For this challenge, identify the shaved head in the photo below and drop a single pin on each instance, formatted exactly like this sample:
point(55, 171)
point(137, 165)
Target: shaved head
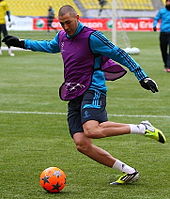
point(68, 19)
point(67, 9)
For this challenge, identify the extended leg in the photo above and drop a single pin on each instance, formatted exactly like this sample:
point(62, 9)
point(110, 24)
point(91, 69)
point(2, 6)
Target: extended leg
point(94, 129)
point(85, 146)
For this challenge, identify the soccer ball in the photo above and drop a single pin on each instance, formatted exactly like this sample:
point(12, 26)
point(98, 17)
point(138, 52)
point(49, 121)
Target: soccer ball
point(53, 179)
point(132, 51)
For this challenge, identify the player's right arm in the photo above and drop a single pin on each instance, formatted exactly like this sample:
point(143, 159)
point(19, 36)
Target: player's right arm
point(156, 20)
point(34, 45)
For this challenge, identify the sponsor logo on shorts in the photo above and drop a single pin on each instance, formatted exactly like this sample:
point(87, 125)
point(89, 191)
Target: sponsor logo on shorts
point(86, 114)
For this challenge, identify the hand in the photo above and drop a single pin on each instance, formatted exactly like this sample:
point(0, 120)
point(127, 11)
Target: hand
point(154, 29)
point(149, 84)
point(10, 24)
point(13, 41)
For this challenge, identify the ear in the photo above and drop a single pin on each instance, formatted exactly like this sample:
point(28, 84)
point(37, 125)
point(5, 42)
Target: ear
point(77, 17)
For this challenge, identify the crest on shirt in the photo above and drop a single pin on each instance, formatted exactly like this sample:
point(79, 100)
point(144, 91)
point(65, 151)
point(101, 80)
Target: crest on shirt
point(62, 47)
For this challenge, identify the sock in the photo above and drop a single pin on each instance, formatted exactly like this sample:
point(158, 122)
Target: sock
point(9, 50)
point(137, 129)
point(121, 166)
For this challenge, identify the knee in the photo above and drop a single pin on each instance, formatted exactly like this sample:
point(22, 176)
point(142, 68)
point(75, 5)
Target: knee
point(83, 146)
point(93, 132)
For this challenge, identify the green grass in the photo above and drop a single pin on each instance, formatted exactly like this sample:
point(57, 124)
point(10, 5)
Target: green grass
point(30, 142)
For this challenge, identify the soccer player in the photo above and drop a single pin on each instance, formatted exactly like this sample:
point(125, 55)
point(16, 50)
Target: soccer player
point(102, 3)
point(164, 16)
point(4, 10)
point(50, 18)
point(87, 61)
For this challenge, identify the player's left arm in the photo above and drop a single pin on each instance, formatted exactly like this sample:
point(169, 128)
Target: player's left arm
point(6, 9)
point(9, 15)
point(101, 45)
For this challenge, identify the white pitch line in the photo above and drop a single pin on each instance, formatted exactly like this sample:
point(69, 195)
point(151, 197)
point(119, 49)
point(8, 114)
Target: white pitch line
point(59, 113)
point(145, 116)
point(30, 112)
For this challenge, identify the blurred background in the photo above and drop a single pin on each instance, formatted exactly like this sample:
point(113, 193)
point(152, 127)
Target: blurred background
point(86, 8)
point(32, 14)
point(104, 15)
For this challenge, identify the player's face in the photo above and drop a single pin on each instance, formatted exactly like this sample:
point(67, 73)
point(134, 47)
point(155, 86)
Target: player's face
point(69, 23)
point(168, 2)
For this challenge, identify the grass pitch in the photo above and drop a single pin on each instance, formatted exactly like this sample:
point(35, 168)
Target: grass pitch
point(32, 139)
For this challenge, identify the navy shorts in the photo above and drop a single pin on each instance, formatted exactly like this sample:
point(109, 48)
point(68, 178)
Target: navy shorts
point(90, 106)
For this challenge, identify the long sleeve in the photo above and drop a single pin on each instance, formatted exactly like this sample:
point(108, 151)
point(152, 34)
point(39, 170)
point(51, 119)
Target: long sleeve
point(101, 45)
point(156, 19)
point(43, 46)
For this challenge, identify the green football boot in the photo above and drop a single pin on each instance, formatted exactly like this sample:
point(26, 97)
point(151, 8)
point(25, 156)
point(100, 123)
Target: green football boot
point(154, 133)
point(126, 178)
